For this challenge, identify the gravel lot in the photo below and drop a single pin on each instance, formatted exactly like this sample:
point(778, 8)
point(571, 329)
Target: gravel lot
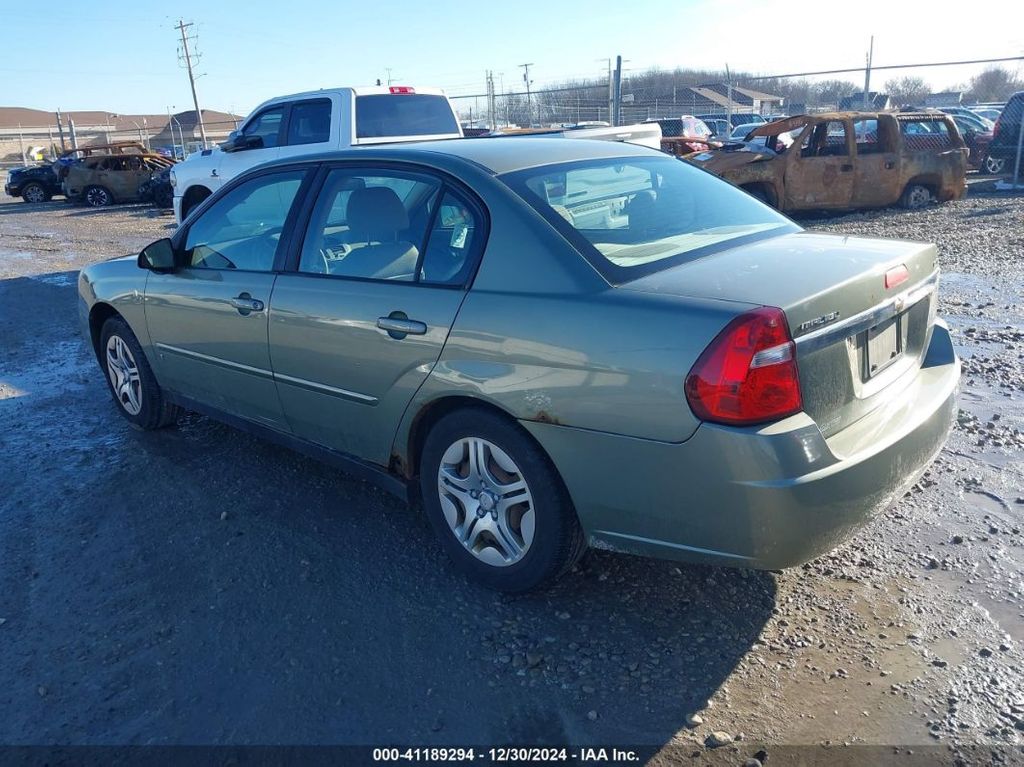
point(199, 586)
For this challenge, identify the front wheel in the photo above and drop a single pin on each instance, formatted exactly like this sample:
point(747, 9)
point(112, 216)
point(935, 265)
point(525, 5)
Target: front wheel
point(35, 192)
point(97, 197)
point(131, 380)
point(498, 506)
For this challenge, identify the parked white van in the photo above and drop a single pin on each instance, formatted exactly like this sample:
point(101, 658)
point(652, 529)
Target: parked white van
point(317, 121)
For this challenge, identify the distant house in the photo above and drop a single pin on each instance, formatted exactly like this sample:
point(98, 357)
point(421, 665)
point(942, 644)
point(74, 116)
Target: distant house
point(751, 100)
point(855, 102)
point(946, 99)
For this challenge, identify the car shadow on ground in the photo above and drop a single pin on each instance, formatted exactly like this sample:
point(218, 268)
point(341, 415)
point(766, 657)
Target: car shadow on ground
point(199, 585)
point(63, 207)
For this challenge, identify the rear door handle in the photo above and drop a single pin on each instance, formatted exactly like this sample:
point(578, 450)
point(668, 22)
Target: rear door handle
point(846, 168)
point(400, 327)
point(246, 304)
point(890, 165)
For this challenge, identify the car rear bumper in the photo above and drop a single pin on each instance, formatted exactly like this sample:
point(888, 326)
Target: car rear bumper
point(763, 497)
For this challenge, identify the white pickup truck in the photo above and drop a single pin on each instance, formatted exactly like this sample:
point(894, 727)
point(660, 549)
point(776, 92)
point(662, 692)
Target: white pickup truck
point(308, 123)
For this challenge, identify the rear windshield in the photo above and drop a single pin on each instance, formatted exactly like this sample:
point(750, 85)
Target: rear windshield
point(637, 215)
point(385, 114)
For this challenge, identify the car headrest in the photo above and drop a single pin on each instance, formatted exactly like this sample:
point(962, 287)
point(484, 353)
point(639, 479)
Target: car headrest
point(376, 213)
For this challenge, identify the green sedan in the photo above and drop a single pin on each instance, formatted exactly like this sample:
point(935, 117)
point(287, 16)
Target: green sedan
point(546, 344)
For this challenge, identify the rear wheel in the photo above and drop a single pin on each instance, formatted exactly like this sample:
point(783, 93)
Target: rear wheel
point(497, 504)
point(33, 191)
point(131, 380)
point(97, 197)
point(993, 165)
point(915, 196)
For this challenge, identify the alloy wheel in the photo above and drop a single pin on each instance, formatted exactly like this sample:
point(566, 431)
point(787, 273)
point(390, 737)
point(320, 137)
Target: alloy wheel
point(124, 375)
point(486, 501)
point(97, 197)
point(34, 193)
point(994, 166)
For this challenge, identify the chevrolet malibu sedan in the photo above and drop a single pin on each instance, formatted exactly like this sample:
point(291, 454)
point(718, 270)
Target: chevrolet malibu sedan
point(545, 345)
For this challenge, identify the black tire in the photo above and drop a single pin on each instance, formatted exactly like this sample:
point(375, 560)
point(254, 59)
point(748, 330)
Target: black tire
point(97, 197)
point(993, 166)
point(163, 197)
point(558, 540)
point(34, 192)
point(192, 200)
point(916, 196)
point(155, 411)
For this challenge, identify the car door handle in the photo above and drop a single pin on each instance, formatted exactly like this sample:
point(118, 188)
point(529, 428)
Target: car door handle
point(246, 304)
point(400, 327)
point(845, 168)
point(890, 165)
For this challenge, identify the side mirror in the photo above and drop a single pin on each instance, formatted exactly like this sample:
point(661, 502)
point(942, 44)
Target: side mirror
point(238, 141)
point(157, 256)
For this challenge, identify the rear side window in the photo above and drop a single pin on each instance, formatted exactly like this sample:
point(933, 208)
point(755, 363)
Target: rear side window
point(310, 122)
point(386, 114)
point(925, 134)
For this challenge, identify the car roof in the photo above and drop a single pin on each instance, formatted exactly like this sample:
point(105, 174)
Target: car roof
point(498, 155)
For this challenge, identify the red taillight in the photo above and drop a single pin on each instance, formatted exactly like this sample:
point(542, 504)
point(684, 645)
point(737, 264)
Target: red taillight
point(896, 276)
point(400, 89)
point(748, 374)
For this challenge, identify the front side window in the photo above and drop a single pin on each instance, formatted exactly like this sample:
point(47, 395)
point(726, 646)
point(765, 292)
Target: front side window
point(266, 125)
point(827, 139)
point(242, 229)
point(637, 215)
point(310, 122)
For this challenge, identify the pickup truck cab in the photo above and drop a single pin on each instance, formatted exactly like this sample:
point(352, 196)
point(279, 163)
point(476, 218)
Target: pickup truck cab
point(313, 122)
point(847, 160)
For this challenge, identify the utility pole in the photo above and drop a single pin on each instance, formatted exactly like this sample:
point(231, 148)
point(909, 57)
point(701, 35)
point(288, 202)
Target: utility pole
point(529, 103)
point(60, 131)
point(388, 70)
point(182, 26)
point(867, 74)
point(492, 117)
point(611, 97)
point(617, 93)
point(728, 96)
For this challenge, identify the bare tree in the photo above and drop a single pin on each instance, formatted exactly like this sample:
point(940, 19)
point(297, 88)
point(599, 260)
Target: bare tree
point(906, 91)
point(994, 84)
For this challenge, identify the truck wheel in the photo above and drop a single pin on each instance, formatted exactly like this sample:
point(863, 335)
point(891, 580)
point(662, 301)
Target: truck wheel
point(993, 165)
point(97, 197)
point(163, 197)
point(33, 191)
point(915, 196)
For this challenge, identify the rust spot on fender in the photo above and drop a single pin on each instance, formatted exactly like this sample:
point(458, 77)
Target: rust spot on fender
point(543, 416)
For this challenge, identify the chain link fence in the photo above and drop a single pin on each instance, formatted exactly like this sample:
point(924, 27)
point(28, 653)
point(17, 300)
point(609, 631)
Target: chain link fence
point(976, 95)
point(175, 138)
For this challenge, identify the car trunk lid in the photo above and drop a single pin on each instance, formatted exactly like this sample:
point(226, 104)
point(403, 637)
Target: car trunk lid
point(858, 341)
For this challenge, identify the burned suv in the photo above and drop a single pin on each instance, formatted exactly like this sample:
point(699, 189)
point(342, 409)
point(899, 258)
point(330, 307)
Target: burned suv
point(844, 160)
point(101, 180)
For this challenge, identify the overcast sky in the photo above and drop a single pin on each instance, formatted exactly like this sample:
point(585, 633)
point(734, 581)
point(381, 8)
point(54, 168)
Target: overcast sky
point(122, 56)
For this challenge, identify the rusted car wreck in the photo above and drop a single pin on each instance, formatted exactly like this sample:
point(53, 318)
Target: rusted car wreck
point(846, 160)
